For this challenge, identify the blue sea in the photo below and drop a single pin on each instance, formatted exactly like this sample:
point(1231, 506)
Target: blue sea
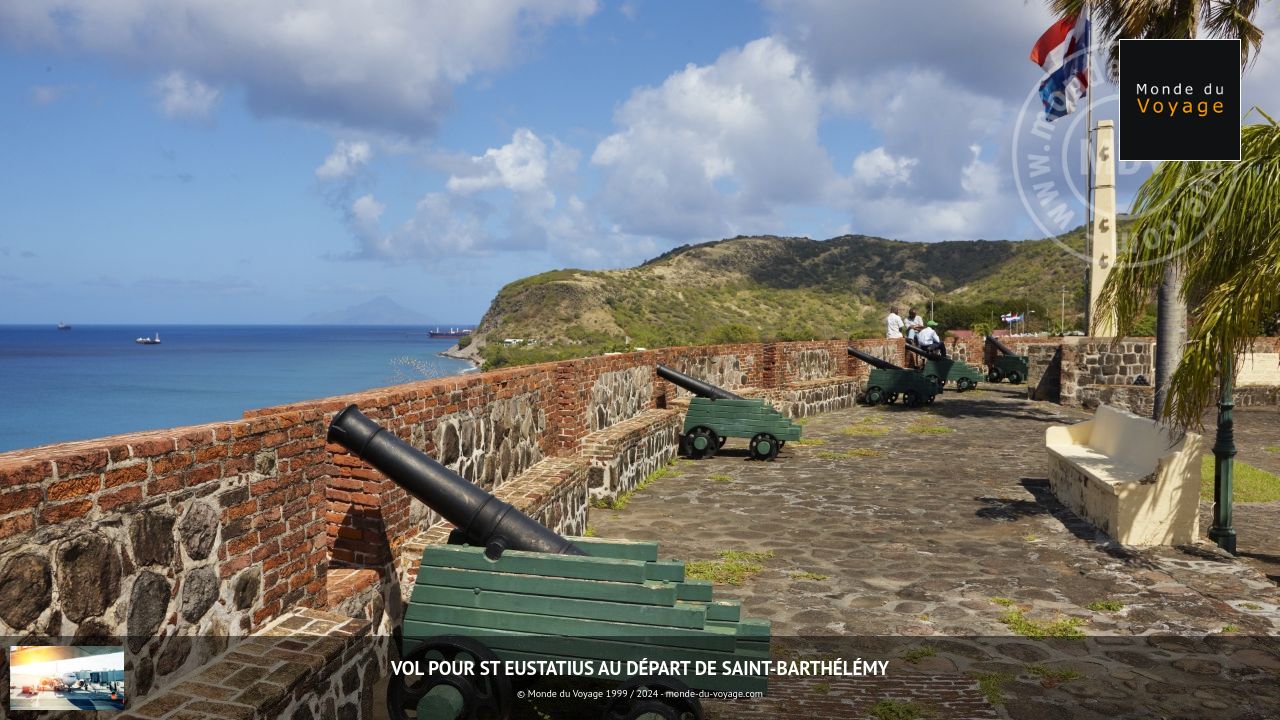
point(94, 380)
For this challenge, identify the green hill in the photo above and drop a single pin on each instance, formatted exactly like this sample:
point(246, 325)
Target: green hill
point(763, 288)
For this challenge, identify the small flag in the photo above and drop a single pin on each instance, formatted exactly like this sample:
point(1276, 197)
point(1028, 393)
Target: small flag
point(1010, 317)
point(1062, 51)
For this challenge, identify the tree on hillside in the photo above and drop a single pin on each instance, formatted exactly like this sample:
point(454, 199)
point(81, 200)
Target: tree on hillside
point(1169, 19)
point(1222, 221)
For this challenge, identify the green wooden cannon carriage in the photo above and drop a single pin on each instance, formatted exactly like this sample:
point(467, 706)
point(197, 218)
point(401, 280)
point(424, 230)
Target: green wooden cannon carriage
point(940, 370)
point(616, 607)
point(509, 601)
point(1003, 364)
point(888, 382)
point(716, 414)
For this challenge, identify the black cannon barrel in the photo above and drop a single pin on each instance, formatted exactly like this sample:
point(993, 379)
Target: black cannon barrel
point(925, 353)
point(483, 519)
point(696, 386)
point(995, 343)
point(873, 361)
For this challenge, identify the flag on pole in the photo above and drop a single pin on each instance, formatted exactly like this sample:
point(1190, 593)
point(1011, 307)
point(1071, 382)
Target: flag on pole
point(1011, 317)
point(1062, 52)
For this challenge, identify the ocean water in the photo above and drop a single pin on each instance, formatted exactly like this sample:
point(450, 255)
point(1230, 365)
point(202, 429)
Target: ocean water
point(94, 380)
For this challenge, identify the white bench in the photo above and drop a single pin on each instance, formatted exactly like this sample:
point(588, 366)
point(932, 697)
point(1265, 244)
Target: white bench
point(1136, 480)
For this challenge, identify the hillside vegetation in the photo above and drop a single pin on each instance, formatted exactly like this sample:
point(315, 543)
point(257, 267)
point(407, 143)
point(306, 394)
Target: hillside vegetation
point(765, 288)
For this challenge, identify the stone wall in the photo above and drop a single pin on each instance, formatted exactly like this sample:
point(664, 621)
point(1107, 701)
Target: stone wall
point(620, 395)
point(811, 364)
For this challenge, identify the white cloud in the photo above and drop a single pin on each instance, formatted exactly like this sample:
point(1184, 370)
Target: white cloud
point(347, 158)
point(715, 148)
point(378, 65)
point(184, 97)
point(878, 168)
point(519, 166)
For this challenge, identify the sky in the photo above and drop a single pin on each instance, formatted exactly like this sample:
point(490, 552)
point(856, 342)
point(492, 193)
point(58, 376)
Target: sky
point(256, 161)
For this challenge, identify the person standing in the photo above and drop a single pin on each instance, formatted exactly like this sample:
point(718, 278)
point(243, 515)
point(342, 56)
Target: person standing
point(893, 324)
point(914, 324)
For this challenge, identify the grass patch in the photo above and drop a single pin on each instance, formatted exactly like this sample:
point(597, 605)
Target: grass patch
point(1251, 606)
point(991, 685)
point(898, 710)
point(1006, 602)
point(1273, 449)
point(810, 442)
point(1031, 537)
point(1051, 677)
point(1106, 606)
point(801, 421)
point(822, 688)
point(720, 477)
point(1248, 483)
point(929, 429)
point(916, 654)
point(1067, 627)
point(1230, 628)
point(867, 427)
point(806, 575)
point(669, 470)
point(733, 567)
point(589, 532)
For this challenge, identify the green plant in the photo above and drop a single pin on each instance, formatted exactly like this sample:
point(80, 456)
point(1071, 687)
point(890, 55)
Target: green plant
point(1051, 677)
point(924, 428)
point(734, 333)
point(850, 454)
point(822, 688)
point(1106, 606)
point(867, 426)
point(811, 442)
point(1251, 606)
point(1230, 628)
point(1006, 602)
point(733, 567)
point(808, 576)
point(589, 532)
point(991, 685)
point(898, 710)
point(620, 502)
point(1063, 627)
point(918, 653)
point(1249, 484)
point(720, 477)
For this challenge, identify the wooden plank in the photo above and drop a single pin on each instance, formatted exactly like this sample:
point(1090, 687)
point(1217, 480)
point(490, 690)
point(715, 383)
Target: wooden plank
point(646, 593)
point(529, 563)
point(694, 590)
point(665, 570)
point(618, 549)
point(681, 616)
point(718, 610)
point(711, 638)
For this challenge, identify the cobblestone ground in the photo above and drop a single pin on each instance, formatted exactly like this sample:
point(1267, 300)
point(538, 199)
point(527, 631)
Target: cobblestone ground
point(892, 539)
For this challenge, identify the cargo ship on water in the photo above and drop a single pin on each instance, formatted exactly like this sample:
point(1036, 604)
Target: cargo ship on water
point(450, 333)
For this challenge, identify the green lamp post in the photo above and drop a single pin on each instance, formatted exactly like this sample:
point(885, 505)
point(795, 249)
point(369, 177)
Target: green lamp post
point(1224, 449)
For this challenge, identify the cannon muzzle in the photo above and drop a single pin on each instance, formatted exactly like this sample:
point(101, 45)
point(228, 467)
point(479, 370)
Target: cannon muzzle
point(995, 343)
point(873, 361)
point(695, 386)
point(482, 518)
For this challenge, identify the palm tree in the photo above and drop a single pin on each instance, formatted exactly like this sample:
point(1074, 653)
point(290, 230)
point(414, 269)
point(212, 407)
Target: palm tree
point(1222, 222)
point(1169, 19)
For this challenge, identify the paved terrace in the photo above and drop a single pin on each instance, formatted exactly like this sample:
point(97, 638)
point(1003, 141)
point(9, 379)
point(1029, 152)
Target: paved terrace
point(883, 527)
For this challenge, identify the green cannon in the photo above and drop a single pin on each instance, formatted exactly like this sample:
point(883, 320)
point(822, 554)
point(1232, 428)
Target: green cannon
point(508, 601)
point(1003, 364)
point(715, 414)
point(940, 369)
point(888, 382)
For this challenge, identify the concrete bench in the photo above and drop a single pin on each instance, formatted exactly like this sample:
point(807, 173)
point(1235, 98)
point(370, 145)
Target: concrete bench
point(1133, 478)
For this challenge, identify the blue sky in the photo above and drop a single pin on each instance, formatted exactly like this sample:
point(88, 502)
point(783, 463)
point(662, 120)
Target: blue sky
point(172, 161)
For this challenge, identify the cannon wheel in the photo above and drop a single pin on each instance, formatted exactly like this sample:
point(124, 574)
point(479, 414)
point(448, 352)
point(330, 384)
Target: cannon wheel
point(764, 447)
point(487, 697)
point(874, 395)
point(936, 381)
point(891, 398)
point(1015, 377)
point(664, 697)
point(994, 376)
point(911, 398)
point(702, 442)
point(964, 384)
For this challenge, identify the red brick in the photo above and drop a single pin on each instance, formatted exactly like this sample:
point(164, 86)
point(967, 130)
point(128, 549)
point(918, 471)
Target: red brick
point(152, 448)
point(164, 485)
point(54, 514)
point(17, 524)
point(108, 502)
point(69, 465)
point(74, 488)
point(233, 566)
point(24, 499)
point(25, 473)
point(202, 474)
point(242, 544)
point(247, 446)
point(213, 452)
point(125, 475)
point(166, 465)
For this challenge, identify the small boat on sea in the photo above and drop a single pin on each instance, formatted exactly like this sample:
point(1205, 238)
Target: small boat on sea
point(63, 326)
point(149, 341)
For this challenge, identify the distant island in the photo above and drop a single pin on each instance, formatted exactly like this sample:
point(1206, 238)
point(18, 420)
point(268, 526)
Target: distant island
point(779, 288)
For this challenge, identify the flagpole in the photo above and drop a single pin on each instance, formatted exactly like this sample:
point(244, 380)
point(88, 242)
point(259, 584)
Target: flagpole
point(1088, 141)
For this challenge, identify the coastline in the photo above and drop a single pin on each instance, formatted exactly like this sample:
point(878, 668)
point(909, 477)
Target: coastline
point(469, 354)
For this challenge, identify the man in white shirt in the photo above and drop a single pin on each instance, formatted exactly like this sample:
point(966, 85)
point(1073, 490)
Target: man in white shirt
point(929, 340)
point(894, 324)
point(914, 324)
